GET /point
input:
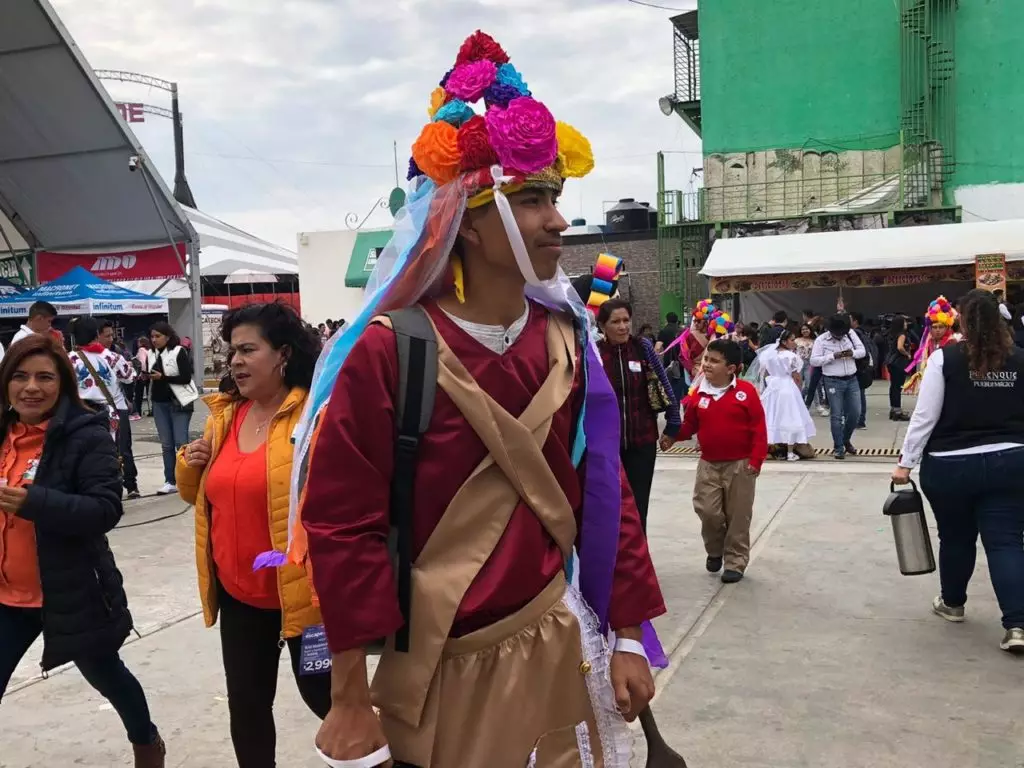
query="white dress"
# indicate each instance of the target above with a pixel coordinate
(786, 416)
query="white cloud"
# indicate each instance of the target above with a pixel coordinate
(291, 106)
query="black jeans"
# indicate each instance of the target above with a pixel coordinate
(980, 493)
(812, 387)
(141, 387)
(638, 463)
(19, 628)
(124, 447)
(897, 378)
(249, 640)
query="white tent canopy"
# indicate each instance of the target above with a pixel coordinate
(224, 250)
(938, 245)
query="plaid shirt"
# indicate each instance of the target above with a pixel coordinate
(627, 366)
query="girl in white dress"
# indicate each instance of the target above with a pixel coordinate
(789, 423)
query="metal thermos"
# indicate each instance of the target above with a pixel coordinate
(905, 509)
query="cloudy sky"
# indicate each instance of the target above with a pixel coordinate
(292, 106)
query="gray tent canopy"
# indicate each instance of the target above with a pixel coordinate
(72, 174)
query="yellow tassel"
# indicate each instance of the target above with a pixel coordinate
(460, 280)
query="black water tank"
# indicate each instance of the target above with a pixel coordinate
(628, 216)
(652, 216)
(579, 223)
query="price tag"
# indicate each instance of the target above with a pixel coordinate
(316, 656)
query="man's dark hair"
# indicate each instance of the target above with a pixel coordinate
(104, 324)
(839, 325)
(672, 318)
(728, 349)
(84, 330)
(808, 313)
(780, 317)
(42, 309)
(858, 316)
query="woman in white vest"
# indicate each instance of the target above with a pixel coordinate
(172, 395)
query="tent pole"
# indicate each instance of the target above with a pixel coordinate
(196, 290)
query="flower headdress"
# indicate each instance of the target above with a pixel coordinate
(516, 134)
(941, 312)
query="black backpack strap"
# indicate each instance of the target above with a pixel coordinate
(417, 385)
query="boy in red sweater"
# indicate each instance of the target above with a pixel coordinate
(726, 415)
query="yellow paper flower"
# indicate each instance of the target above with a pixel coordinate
(575, 154)
(437, 99)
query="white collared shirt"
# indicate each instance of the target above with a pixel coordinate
(23, 333)
(716, 392)
(926, 415)
(496, 338)
(823, 354)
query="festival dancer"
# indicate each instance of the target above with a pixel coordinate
(939, 321)
(499, 659)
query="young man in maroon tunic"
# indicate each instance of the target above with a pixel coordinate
(504, 343)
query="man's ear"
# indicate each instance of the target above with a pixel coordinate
(467, 230)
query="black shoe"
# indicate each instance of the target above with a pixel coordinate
(838, 455)
(713, 564)
(850, 450)
(862, 426)
(134, 494)
(731, 577)
(897, 415)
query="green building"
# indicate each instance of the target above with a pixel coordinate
(821, 114)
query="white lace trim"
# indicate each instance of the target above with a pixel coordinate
(616, 738)
(583, 743)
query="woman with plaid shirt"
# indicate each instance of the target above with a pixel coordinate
(633, 367)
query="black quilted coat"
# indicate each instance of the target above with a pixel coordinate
(74, 501)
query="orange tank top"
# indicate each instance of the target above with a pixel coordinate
(20, 586)
(236, 489)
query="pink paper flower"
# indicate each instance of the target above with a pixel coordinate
(523, 135)
(469, 81)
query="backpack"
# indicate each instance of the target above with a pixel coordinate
(417, 386)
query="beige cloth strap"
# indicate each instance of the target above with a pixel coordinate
(477, 516)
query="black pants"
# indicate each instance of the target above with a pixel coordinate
(897, 377)
(639, 465)
(124, 447)
(19, 628)
(812, 387)
(141, 387)
(249, 640)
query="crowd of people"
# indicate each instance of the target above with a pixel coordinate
(460, 481)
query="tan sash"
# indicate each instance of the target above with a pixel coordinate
(476, 518)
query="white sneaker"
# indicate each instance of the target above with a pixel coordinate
(1013, 642)
(824, 412)
(167, 489)
(949, 613)
(792, 457)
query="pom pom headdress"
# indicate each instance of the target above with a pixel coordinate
(720, 325)
(941, 312)
(704, 310)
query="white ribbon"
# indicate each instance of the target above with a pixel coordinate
(515, 237)
(379, 757)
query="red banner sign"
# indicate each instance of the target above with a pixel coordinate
(132, 113)
(146, 264)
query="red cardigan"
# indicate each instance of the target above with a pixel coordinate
(729, 428)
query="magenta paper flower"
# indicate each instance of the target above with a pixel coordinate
(469, 81)
(523, 135)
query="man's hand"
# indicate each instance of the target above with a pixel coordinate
(666, 442)
(12, 499)
(900, 476)
(351, 731)
(750, 469)
(197, 453)
(156, 375)
(631, 678)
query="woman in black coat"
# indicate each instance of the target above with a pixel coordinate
(60, 494)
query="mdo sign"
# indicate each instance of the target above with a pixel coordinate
(114, 262)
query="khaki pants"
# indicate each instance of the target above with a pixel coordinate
(723, 498)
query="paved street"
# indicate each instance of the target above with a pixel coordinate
(825, 656)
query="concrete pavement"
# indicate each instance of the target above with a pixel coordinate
(824, 656)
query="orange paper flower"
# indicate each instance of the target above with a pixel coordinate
(437, 100)
(436, 152)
